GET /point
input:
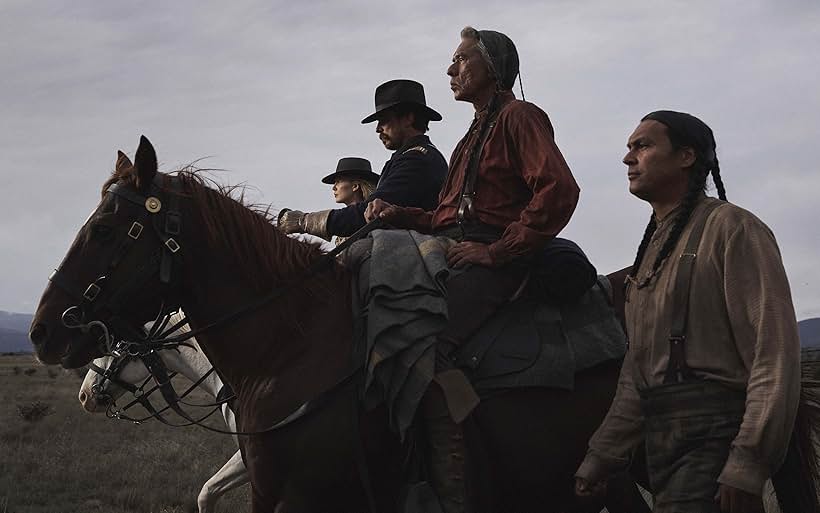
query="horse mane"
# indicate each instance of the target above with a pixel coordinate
(262, 253)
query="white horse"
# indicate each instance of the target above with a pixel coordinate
(192, 363)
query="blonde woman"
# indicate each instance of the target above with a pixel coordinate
(353, 182)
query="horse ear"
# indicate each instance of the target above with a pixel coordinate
(123, 163)
(145, 162)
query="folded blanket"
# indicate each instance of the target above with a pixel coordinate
(406, 309)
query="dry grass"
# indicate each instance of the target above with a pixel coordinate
(73, 461)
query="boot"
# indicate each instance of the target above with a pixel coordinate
(447, 459)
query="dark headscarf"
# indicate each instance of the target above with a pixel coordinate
(688, 131)
(501, 56)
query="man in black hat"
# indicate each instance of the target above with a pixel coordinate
(412, 177)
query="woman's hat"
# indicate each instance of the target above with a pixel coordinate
(352, 167)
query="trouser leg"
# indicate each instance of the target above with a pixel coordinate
(472, 297)
(448, 470)
(687, 447)
(475, 295)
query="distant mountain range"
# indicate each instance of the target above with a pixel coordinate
(809, 332)
(14, 332)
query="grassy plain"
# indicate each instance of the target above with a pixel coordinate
(72, 461)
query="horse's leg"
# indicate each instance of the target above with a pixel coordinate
(796, 482)
(537, 437)
(232, 475)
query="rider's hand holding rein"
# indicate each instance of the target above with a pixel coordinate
(458, 256)
(382, 209)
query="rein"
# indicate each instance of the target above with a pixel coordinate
(119, 337)
(141, 396)
(315, 268)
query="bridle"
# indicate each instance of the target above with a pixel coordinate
(141, 393)
(119, 337)
(104, 305)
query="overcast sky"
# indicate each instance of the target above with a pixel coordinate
(274, 91)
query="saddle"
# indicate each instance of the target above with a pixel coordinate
(531, 343)
(560, 325)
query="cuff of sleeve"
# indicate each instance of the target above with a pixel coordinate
(597, 467)
(744, 474)
(499, 253)
(411, 218)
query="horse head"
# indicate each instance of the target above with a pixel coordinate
(110, 281)
(97, 393)
(111, 376)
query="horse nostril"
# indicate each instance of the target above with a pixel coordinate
(38, 334)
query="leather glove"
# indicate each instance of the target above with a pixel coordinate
(295, 221)
(290, 221)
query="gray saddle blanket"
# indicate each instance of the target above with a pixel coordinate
(401, 282)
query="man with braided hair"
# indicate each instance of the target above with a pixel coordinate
(507, 194)
(711, 378)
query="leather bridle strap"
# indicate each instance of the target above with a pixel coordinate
(112, 375)
(322, 263)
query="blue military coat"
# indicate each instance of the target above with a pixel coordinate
(411, 178)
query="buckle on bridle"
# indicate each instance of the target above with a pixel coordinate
(91, 292)
(135, 231)
(172, 245)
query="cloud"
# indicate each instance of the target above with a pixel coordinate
(274, 92)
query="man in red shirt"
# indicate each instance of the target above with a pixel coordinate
(507, 194)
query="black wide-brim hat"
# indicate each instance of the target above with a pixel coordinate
(397, 92)
(352, 167)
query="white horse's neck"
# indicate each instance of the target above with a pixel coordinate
(192, 363)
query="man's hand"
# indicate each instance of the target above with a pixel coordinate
(735, 500)
(584, 488)
(291, 221)
(379, 208)
(465, 253)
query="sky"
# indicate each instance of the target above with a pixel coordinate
(273, 93)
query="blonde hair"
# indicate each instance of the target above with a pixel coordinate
(365, 187)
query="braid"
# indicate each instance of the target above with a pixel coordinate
(721, 190)
(684, 131)
(475, 153)
(647, 236)
(697, 181)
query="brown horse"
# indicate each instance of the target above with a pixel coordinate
(155, 241)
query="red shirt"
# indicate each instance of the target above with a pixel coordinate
(524, 187)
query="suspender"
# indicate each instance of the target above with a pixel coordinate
(677, 371)
(465, 206)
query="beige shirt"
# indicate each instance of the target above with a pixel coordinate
(741, 332)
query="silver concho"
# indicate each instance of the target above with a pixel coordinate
(153, 205)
